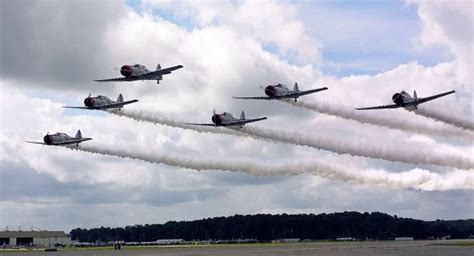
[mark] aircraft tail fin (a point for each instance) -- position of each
(242, 115)
(78, 134)
(296, 89)
(414, 95)
(120, 98)
(158, 67)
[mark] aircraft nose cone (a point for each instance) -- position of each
(47, 139)
(89, 102)
(270, 91)
(397, 98)
(216, 119)
(126, 70)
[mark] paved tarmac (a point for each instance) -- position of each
(390, 248)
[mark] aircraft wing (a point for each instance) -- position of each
(34, 142)
(253, 98)
(301, 93)
(289, 95)
(119, 79)
(113, 105)
(154, 74)
(242, 122)
(423, 100)
(76, 107)
(116, 105)
(200, 124)
(380, 107)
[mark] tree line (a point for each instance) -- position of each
(267, 227)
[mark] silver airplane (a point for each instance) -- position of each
(60, 139)
(139, 72)
(405, 100)
(103, 103)
(280, 91)
(226, 119)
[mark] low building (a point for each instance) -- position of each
(404, 238)
(34, 238)
(345, 239)
(286, 240)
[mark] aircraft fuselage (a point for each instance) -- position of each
(97, 102)
(221, 119)
(277, 90)
(56, 139)
(133, 70)
(405, 100)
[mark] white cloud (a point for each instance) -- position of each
(222, 57)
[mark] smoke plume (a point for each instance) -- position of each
(416, 178)
(401, 153)
(398, 153)
(393, 122)
(445, 118)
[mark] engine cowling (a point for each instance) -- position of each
(270, 91)
(126, 70)
(216, 119)
(397, 98)
(48, 140)
(89, 102)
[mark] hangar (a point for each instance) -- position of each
(34, 238)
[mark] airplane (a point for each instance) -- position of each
(103, 103)
(405, 100)
(60, 139)
(226, 119)
(139, 72)
(280, 91)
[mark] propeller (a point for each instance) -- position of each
(214, 116)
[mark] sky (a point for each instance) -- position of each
(314, 156)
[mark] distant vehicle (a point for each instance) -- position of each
(103, 103)
(60, 139)
(405, 100)
(139, 72)
(226, 119)
(280, 91)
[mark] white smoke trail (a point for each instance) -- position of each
(445, 118)
(393, 122)
(416, 178)
(159, 118)
(403, 154)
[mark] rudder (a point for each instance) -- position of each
(78, 134)
(120, 98)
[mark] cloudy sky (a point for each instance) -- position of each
(318, 156)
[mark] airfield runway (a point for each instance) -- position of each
(393, 248)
